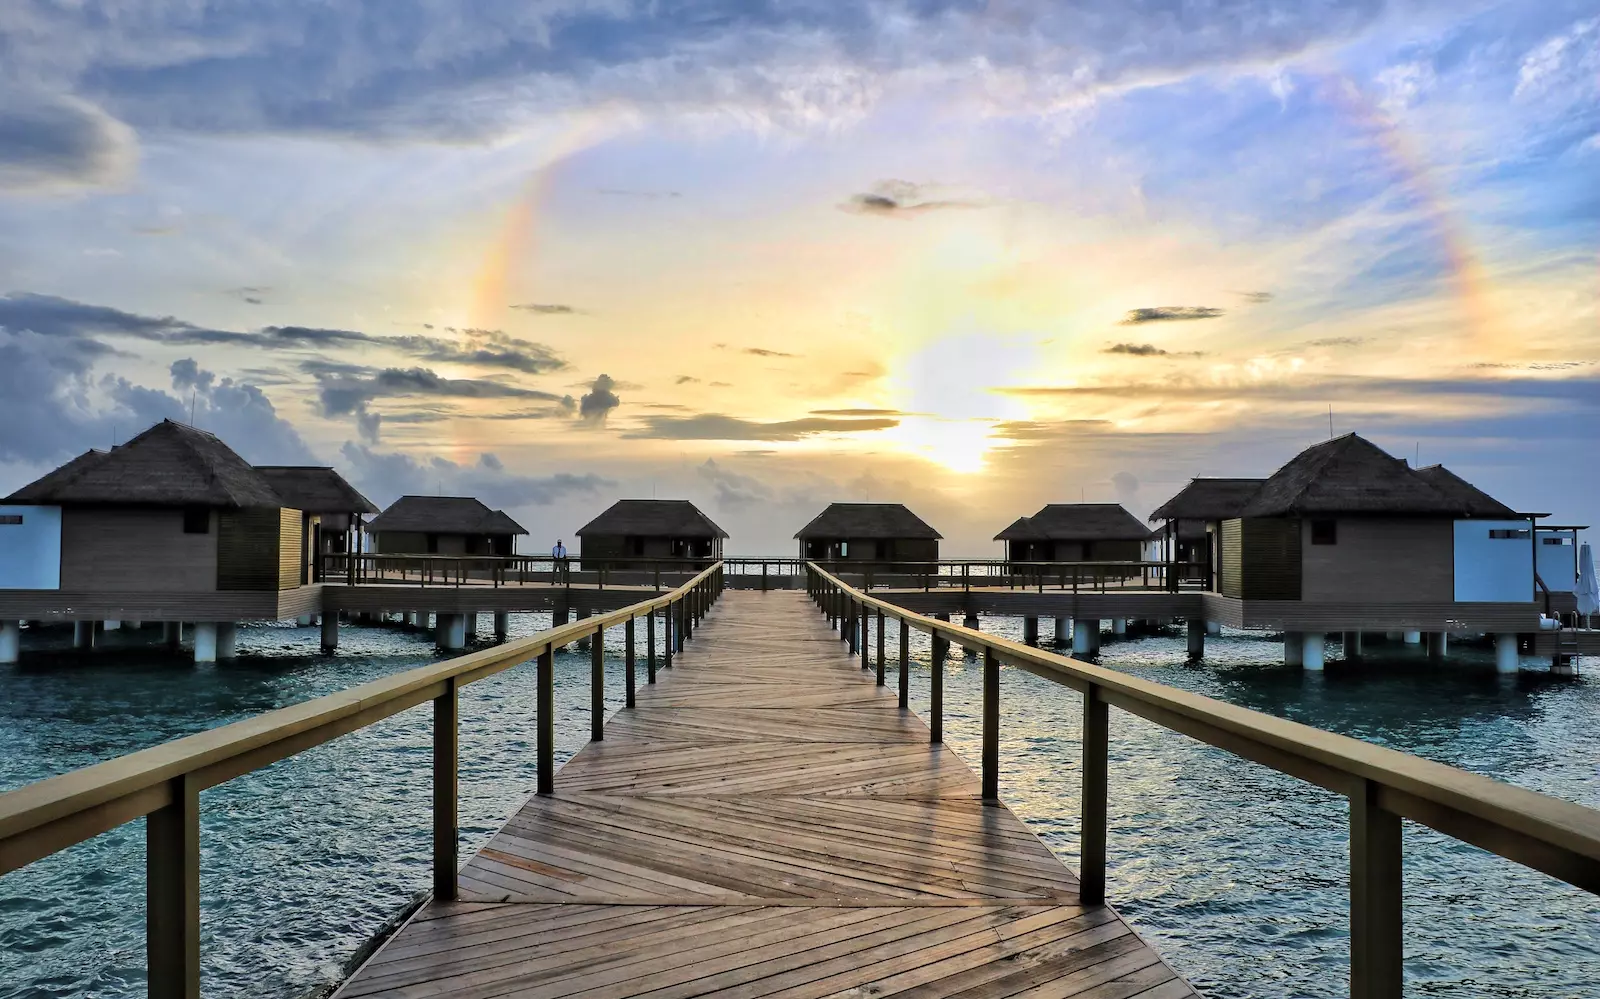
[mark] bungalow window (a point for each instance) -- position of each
(11, 519)
(197, 520)
(1324, 532)
(1508, 534)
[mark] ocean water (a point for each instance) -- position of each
(1236, 873)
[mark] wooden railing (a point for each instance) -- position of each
(1383, 786)
(163, 784)
(964, 574)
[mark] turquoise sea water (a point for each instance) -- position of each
(1238, 874)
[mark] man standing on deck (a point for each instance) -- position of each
(559, 551)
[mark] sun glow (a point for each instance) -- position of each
(945, 389)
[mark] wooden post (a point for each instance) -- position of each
(1092, 835)
(597, 685)
(866, 635)
(849, 629)
(545, 706)
(446, 835)
(991, 726)
(880, 648)
(650, 644)
(1376, 949)
(172, 894)
(941, 649)
(905, 664)
(668, 635)
(628, 663)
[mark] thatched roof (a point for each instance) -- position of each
(1351, 475)
(1209, 499)
(652, 519)
(867, 520)
(171, 464)
(314, 489)
(443, 515)
(1077, 522)
(1474, 502)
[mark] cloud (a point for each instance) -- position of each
(1337, 341)
(350, 392)
(386, 475)
(453, 72)
(53, 141)
(732, 488)
(1148, 350)
(248, 295)
(719, 427)
(764, 352)
(547, 309)
(599, 401)
(1255, 297)
(902, 197)
(1169, 313)
(1126, 485)
(859, 412)
(479, 347)
(684, 380)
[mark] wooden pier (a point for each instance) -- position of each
(767, 821)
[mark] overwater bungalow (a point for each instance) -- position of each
(170, 526)
(330, 510)
(869, 532)
(1192, 520)
(443, 525)
(650, 529)
(1076, 532)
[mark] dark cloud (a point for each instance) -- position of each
(1337, 341)
(1169, 313)
(1583, 393)
(483, 348)
(1126, 486)
(599, 401)
(49, 141)
(1148, 350)
(719, 427)
(764, 352)
(685, 379)
(490, 462)
(859, 412)
(1255, 297)
(248, 294)
(901, 197)
(539, 309)
(351, 394)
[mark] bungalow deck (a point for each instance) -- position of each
(766, 822)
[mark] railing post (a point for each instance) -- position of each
(669, 634)
(1092, 834)
(866, 635)
(941, 649)
(650, 644)
(850, 615)
(628, 662)
(172, 894)
(446, 834)
(545, 705)
(991, 726)
(880, 648)
(905, 664)
(1376, 950)
(597, 685)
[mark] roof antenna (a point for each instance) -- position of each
(113, 435)
(192, 396)
(1330, 421)
(1416, 462)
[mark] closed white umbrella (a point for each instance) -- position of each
(1588, 590)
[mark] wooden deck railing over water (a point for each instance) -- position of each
(1383, 786)
(163, 784)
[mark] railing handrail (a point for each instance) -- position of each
(52, 814)
(1560, 838)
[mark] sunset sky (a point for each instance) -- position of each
(975, 257)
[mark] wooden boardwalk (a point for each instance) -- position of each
(767, 822)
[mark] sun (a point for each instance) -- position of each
(945, 388)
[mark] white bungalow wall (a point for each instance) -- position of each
(30, 547)
(1558, 560)
(1490, 568)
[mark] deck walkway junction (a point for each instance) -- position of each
(771, 820)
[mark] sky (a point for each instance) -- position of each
(973, 257)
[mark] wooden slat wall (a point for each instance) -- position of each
(126, 550)
(1270, 559)
(1232, 552)
(248, 552)
(1378, 558)
(291, 548)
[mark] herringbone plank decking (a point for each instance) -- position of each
(767, 822)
